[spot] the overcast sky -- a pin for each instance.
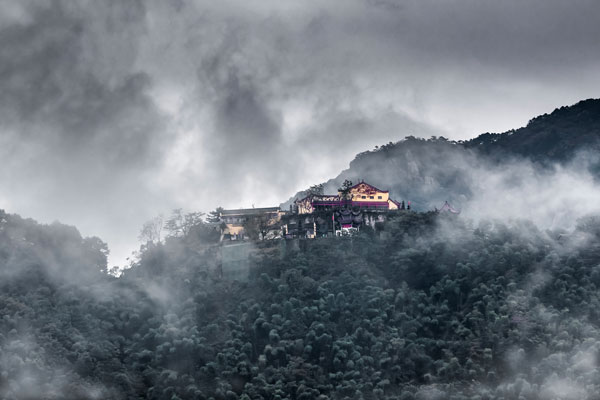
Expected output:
(112, 112)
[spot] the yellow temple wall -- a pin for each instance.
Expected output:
(234, 229)
(364, 193)
(359, 197)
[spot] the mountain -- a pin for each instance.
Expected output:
(554, 137)
(435, 306)
(433, 309)
(428, 172)
(425, 172)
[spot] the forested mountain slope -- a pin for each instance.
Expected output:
(433, 308)
(430, 171)
(554, 137)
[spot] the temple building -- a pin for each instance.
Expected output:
(447, 208)
(316, 215)
(361, 196)
(263, 221)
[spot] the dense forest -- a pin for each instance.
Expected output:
(431, 307)
(468, 270)
(557, 136)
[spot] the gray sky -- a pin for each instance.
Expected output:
(114, 111)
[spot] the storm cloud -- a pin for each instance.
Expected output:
(112, 112)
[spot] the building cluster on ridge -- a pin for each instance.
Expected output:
(316, 215)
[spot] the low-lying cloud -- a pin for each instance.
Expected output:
(551, 198)
(113, 112)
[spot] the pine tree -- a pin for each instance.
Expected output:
(214, 216)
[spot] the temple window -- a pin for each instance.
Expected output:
(379, 197)
(371, 197)
(364, 197)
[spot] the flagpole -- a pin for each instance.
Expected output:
(333, 222)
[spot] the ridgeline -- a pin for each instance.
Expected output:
(431, 171)
(430, 306)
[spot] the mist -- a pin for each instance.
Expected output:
(113, 113)
(552, 199)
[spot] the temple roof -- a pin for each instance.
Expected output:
(320, 197)
(448, 208)
(397, 203)
(326, 197)
(250, 211)
(370, 186)
(333, 197)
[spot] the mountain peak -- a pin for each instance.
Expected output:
(429, 171)
(554, 137)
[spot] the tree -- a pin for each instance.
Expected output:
(152, 230)
(315, 190)
(345, 189)
(180, 224)
(204, 233)
(96, 252)
(257, 227)
(214, 217)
